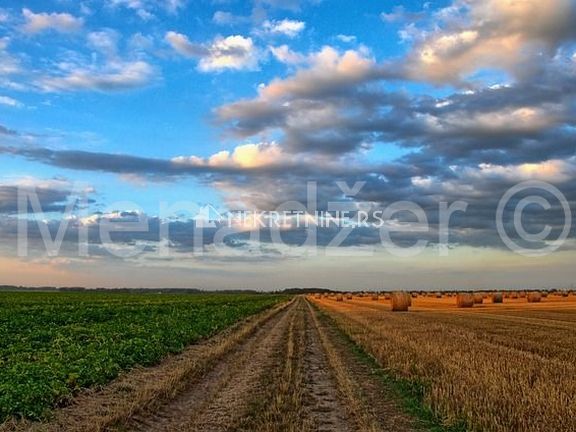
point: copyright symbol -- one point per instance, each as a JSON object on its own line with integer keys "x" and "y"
{"x": 538, "y": 200}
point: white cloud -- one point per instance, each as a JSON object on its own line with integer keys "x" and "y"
{"x": 173, "y": 6}
{"x": 145, "y": 15}
{"x": 328, "y": 69}
{"x": 525, "y": 119}
{"x": 233, "y": 52}
{"x": 61, "y": 22}
{"x": 111, "y": 77}
{"x": 105, "y": 41}
{"x": 422, "y": 182}
{"x": 104, "y": 67}
{"x": 346, "y": 38}
{"x": 553, "y": 170}
{"x": 4, "y": 17}
{"x": 139, "y": 43}
{"x": 286, "y": 27}
{"x": 144, "y": 8}
{"x": 399, "y": 13}
{"x": 284, "y": 54}
{"x": 8, "y": 63}
{"x": 5, "y": 100}
{"x": 181, "y": 44}
{"x": 40, "y": 183}
{"x": 293, "y": 5}
{"x": 227, "y": 18}
{"x": 131, "y": 4}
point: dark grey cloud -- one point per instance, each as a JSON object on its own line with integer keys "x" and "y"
{"x": 475, "y": 228}
{"x": 364, "y": 115}
{"x": 164, "y": 169}
{"x": 51, "y": 199}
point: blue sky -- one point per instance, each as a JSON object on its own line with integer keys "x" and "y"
{"x": 241, "y": 103}
{"x": 171, "y": 114}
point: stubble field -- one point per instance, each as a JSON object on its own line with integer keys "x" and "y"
{"x": 493, "y": 367}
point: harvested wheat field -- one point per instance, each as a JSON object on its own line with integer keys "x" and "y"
{"x": 507, "y": 366}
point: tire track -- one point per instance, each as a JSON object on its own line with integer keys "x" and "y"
{"x": 370, "y": 405}
{"x": 365, "y": 420}
{"x": 280, "y": 407}
{"x": 324, "y": 400}
{"x": 302, "y": 394}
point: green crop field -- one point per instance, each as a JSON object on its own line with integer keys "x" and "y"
{"x": 53, "y": 344}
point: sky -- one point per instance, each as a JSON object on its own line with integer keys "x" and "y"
{"x": 123, "y": 121}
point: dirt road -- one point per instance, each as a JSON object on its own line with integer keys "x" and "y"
{"x": 287, "y": 370}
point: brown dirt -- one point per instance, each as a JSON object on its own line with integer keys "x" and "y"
{"x": 326, "y": 406}
{"x": 285, "y": 370}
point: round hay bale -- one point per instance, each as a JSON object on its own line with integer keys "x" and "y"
{"x": 401, "y": 301}
{"x": 375, "y": 297}
{"x": 544, "y": 294}
{"x": 464, "y": 300}
{"x": 386, "y": 296}
{"x": 478, "y": 298}
{"x": 533, "y": 297}
{"x": 339, "y": 297}
{"x": 497, "y": 297}
{"x": 348, "y": 296}
{"x": 514, "y": 295}
{"x": 438, "y": 295}
{"x": 522, "y": 294}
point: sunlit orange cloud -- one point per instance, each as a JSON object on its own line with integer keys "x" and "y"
{"x": 328, "y": 67}
{"x": 501, "y": 34}
{"x": 243, "y": 156}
